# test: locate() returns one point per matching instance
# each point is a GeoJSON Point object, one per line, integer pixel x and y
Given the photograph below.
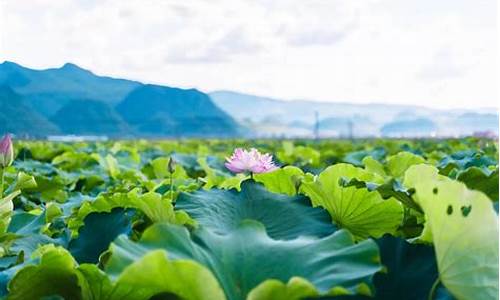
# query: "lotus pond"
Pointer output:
{"type": "Point", "coordinates": [337, 219]}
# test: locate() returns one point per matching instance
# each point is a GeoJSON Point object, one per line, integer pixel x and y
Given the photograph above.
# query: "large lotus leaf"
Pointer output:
{"type": "Point", "coordinates": [298, 288]}
{"type": "Point", "coordinates": [23, 181]}
{"type": "Point", "coordinates": [464, 229]}
{"type": "Point", "coordinates": [356, 158]}
{"type": "Point", "coordinates": [27, 230]}
{"type": "Point", "coordinates": [71, 160]}
{"type": "Point", "coordinates": [156, 208]}
{"type": "Point", "coordinates": [54, 275]}
{"type": "Point", "coordinates": [283, 216]}
{"type": "Point", "coordinates": [395, 166]}
{"type": "Point", "coordinates": [160, 169]}
{"type": "Point", "coordinates": [399, 163]}
{"type": "Point", "coordinates": [481, 179]}
{"type": "Point", "coordinates": [99, 231]}
{"type": "Point", "coordinates": [5, 276]}
{"type": "Point", "coordinates": [465, 159]}
{"type": "Point", "coordinates": [73, 203]}
{"type": "Point", "coordinates": [247, 256]}
{"type": "Point", "coordinates": [188, 161]}
{"type": "Point", "coordinates": [94, 283]}
{"type": "Point", "coordinates": [374, 166]}
{"type": "Point", "coordinates": [298, 155]}
{"type": "Point", "coordinates": [191, 164]}
{"type": "Point", "coordinates": [32, 166]}
{"type": "Point", "coordinates": [24, 223]}
{"type": "Point", "coordinates": [411, 270]}
{"type": "Point", "coordinates": [108, 163]}
{"type": "Point", "coordinates": [284, 180]}
{"type": "Point", "coordinates": [154, 276]}
{"type": "Point", "coordinates": [365, 213]}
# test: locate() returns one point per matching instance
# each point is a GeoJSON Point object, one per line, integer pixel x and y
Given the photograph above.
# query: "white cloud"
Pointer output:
{"type": "Point", "coordinates": [436, 53]}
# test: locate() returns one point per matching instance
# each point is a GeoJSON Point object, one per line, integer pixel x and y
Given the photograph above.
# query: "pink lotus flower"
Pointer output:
{"type": "Point", "coordinates": [250, 161]}
{"type": "Point", "coordinates": [6, 151]}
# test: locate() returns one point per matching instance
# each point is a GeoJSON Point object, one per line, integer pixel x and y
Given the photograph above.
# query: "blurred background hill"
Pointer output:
{"type": "Point", "coordinates": [73, 101]}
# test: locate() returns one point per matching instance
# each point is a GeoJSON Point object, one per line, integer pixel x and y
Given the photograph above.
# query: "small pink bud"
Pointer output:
{"type": "Point", "coordinates": [6, 151]}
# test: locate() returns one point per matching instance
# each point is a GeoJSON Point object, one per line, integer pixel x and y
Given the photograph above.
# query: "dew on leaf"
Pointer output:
{"type": "Point", "coordinates": [449, 210]}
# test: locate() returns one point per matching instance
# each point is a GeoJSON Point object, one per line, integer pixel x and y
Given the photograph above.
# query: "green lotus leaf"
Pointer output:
{"type": "Point", "coordinates": [356, 157]}
{"type": "Point", "coordinates": [72, 160]}
{"type": "Point", "coordinates": [160, 169]}
{"type": "Point", "coordinates": [296, 288]}
{"type": "Point", "coordinates": [410, 270]}
{"type": "Point", "coordinates": [374, 166]}
{"type": "Point", "coordinates": [108, 163]}
{"type": "Point", "coordinates": [22, 181]}
{"type": "Point", "coordinates": [464, 229]}
{"type": "Point", "coordinates": [395, 165]}
{"type": "Point", "coordinates": [465, 159]}
{"type": "Point", "coordinates": [54, 275]}
{"type": "Point", "coordinates": [283, 216]}
{"type": "Point", "coordinates": [156, 208]}
{"type": "Point", "coordinates": [481, 179]}
{"type": "Point", "coordinates": [154, 274]}
{"type": "Point", "coordinates": [27, 234]}
{"type": "Point", "coordinates": [283, 180]}
{"type": "Point", "coordinates": [298, 155]}
{"type": "Point", "coordinates": [299, 288]}
{"type": "Point", "coordinates": [88, 246]}
{"type": "Point", "coordinates": [94, 283]}
{"type": "Point", "coordinates": [399, 163]}
{"type": "Point", "coordinates": [364, 213]}
{"type": "Point", "coordinates": [217, 178]}
{"type": "Point", "coordinates": [247, 256]}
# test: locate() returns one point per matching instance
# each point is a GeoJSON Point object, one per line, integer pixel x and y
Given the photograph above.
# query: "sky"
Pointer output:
{"type": "Point", "coordinates": [434, 53]}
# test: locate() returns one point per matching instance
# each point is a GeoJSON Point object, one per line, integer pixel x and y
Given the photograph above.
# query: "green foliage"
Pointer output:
{"type": "Point", "coordinates": [338, 220]}
{"type": "Point", "coordinates": [285, 180]}
{"type": "Point", "coordinates": [177, 279]}
{"type": "Point", "coordinates": [365, 213]}
{"type": "Point", "coordinates": [463, 227]}
{"type": "Point", "coordinates": [284, 217]}
{"type": "Point", "coordinates": [36, 281]}
{"type": "Point", "coordinates": [240, 265]}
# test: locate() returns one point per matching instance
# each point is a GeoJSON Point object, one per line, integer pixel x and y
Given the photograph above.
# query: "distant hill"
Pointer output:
{"type": "Point", "coordinates": [420, 127]}
{"type": "Point", "coordinates": [18, 118]}
{"type": "Point", "coordinates": [49, 90]}
{"type": "Point", "coordinates": [269, 117]}
{"type": "Point", "coordinates": [72, 100]}
{"type": "Point", "coordinates": [479, 122]}
{"type": "Point", "coordinates": [90, 117]}
{"type": "Point", "coordinates": [155, 110]}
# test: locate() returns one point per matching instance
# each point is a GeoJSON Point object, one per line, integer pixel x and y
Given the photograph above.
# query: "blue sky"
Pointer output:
{"type": "Point", "coordinates": [434, 53]}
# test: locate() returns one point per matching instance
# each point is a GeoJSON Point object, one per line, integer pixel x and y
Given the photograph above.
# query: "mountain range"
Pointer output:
{"type": "Point", "coordinates": [274, 117]}
{"type": "Point", "coordinates": [73, 101]}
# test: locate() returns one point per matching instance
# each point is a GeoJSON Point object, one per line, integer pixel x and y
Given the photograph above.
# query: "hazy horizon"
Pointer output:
{"type": "Point", "coordinates": [372, 102]}
{"type": "Point", "coordinates": [438, 55]}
